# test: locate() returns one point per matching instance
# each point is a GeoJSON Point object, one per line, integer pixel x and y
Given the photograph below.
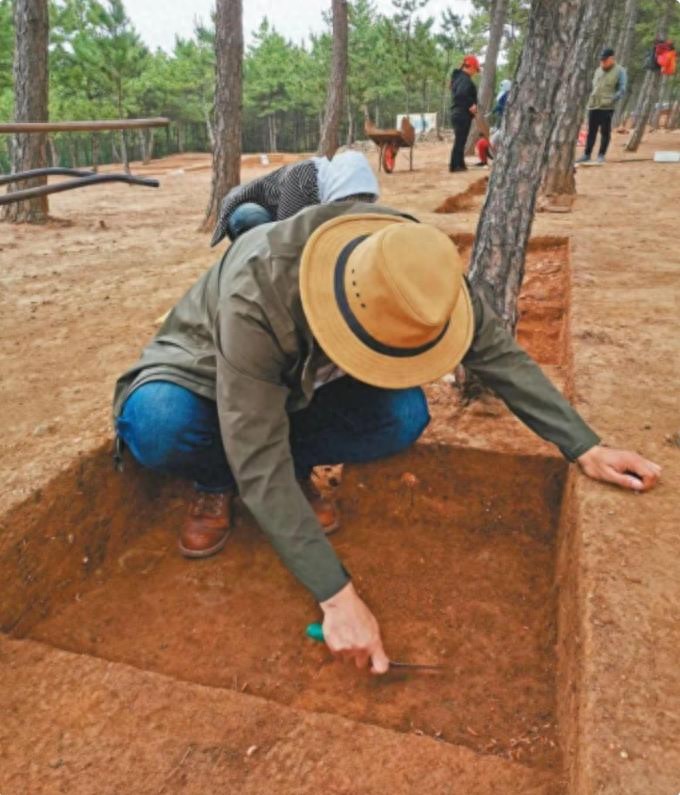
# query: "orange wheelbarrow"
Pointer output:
{"type": "Point", "coordinates": [389, 142]}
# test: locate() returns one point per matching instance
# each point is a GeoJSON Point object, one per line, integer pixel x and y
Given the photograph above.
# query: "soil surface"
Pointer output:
{"type": "Point", "coordinates": [474, 594]}
{"type": "Point", "coordinates": [109, 729]}
{"type": "Point", "coordinates": [80, 296]}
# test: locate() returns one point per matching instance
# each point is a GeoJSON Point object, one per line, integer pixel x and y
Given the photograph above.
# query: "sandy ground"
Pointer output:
{"type": "Point", "coordinates": [79, 297]}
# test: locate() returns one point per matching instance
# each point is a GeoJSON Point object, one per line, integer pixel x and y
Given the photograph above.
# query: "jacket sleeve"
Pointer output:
{"type": "Point", "coordinates": [251, 402]}
{"type": "Point", "coordinates": [504, 367]}
{"type": "Point", "coordinates": [299, 189]}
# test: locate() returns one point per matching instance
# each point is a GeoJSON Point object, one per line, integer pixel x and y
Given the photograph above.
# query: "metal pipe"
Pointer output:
{"type": "Point", "coordinates": [6, 179]}
{"type": "Point", "coordinates": [81, 182]}
{"type": "Point", "coordinates": [82, 126]}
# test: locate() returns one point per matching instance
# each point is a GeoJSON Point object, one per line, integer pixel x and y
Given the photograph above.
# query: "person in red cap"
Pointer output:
{"type": "Point", "coordinates": [463, 109]}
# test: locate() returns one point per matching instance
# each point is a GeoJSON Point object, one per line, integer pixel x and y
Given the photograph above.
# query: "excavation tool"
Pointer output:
{"type": "Point", "coordinates": [315, 632]}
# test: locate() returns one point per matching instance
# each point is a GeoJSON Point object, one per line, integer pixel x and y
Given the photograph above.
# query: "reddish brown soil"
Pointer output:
{"type": "Point", "coordinates": [472, 571]}
{"type": "Point", "coordinates": [544, 299]}
{"type": "Point", "coordinates": [466, 200]}
{"type": "Point", "coordinates": [105, 728]}
{"type": "Point", "coordinates": [79, 297]}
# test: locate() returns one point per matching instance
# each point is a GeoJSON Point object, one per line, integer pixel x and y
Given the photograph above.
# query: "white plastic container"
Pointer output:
{"type": "Point", "coordinates": [667, 157]}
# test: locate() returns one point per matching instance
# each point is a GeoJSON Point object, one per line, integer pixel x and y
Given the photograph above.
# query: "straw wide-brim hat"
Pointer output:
{"type": "Point", "coordinates": [386, 299]}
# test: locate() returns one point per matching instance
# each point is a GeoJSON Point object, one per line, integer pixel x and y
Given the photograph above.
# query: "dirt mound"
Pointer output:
{"type": "Point", "coordinates": [466, 200]}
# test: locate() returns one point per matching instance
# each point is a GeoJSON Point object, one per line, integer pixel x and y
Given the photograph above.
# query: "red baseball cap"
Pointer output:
{"type": "Point", "coordinates": [471, 60]}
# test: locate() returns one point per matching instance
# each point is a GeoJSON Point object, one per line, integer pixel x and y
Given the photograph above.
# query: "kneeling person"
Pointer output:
{"type": "Point", "coordinates": [307, 344]}
{"type": "Point", "coordinates": [289, 189]}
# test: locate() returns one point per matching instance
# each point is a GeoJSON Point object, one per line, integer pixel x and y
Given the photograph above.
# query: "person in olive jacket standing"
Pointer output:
{"type": "Point", "coordinates": [609, 86]}
{"type": "Point", "coordinates": [463, 109]}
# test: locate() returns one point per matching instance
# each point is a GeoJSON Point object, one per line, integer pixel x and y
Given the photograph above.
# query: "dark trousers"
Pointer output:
{"type": "Point", "coordinates": [599, 120]}
{"type": "Point", "coordinates": [461, 128]}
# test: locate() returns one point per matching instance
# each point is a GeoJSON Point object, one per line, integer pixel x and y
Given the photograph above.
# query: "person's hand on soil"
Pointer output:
{"type": "Point", "coordinates": [351, 631]}
{"type": "Point", "coordinates": [622, 467]}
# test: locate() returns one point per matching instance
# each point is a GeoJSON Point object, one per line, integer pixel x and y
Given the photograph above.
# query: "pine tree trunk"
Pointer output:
{"type": "Point", "coordinates": [209, 128]}
{"type": "Point", "coordinates": [227, 117]}
{"type": "Point", "coordinates": [624, 46]}
{"type": "Point", "coordinates": [633, 99]}
{"type": "Point", "coordinates": [29, 150]}
{"type": "Point", "coordinates": [338, 79]}
{"type": "Point", "coordinates": [95, 152]}
{"type": "Point", "coordinates": [271, 129]}
{"type": "Point", "coordinates": [674, 116]}
{"type": "Point", "coordinates": [611, 32]}
{"type": "Point", "coordinates": [648, 97]}
{"type": "Point", "coordinates": [124, 152]}
{"type": "Point", "coordinates": [650, 90]}
{"type": "Point", "coordinates": [624, 50]}
{"type": "Point", "coordinates": [488, 79]}
{"type": "Point", "coordinates": [350, 124]}
{"type": "Point", "coordinates": [571, 99]}
{"type": "Point", "coordinates": [150, 143]}
{"type": "Point", "coordinates": [505, 224]}
{"type": "Point", "coordinates": [54, 155]}
{"type": "Point", "coordinates": [142, 145]}
{"type": "Point", "coordinates": [115, 155]}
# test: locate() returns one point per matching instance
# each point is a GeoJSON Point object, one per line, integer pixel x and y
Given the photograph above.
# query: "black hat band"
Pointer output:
{"type": "Point", "coordinates": [353, 322]}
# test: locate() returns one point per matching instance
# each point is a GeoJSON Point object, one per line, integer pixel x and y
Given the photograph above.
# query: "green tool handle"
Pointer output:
{"type": "Point", "coordinates": [315, 632]}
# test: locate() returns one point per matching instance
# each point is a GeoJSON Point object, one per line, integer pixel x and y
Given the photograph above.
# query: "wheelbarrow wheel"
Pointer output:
{"type": "Point", "coordinates": [389, 157]}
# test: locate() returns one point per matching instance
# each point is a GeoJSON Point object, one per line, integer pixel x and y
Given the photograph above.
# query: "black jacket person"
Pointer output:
{"type": "Point", "coordinates": [463, 109]}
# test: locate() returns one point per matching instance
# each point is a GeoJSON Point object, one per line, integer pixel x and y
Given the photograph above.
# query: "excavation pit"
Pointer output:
{"type": "Point", "coordinates": [469, 199]}
{"type": "Point", "coordinates": [544, 298]}
{"type": "Point", "coordinates": [458, 562]}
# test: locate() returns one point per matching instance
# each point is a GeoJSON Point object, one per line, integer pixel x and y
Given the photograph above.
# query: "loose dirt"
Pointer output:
{"type": "Point", "coordinates": [467, 200]}
{"type": "Point", "coordinates": [78, 299]}
{"type": "Point", "coordinates": [473, 594]}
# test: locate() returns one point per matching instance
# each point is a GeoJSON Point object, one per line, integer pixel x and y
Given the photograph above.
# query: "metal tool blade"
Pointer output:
{"type": "Point", "coordinates": [415, 666]}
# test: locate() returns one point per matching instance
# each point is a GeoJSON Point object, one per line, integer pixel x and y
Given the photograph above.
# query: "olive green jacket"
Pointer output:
{"type": "Point", "coordinates": [240, 337]}
{"type": "Point", "coordinates": [609, 85]}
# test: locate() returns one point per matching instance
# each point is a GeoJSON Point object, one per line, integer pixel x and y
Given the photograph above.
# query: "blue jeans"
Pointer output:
{"type": "Point", "coordinates": [170, 429]}
{"type": "Point", "coordinates": [247, 216]}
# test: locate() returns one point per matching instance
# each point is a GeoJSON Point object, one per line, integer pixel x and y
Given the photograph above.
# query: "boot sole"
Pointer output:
{"type": "Point", "coordinates": [204, 553]}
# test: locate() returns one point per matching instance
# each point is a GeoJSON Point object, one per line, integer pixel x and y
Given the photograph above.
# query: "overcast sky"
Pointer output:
{"type": "Point", "coordinates": [158, 21]}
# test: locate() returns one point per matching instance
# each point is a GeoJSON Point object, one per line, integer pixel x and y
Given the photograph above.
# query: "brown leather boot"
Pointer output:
{"type": "Point", "coordinates": [207, 526]}
{"type": "Point", "coordinates": [327, 511]}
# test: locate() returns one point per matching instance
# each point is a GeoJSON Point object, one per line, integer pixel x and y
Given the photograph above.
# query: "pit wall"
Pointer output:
{"type": "Point", "coordinates": [568, 583]}
{"type": "Point", "coordinates": [570, 629]}
{"type": "Point", "coordinates": [52, 543]}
